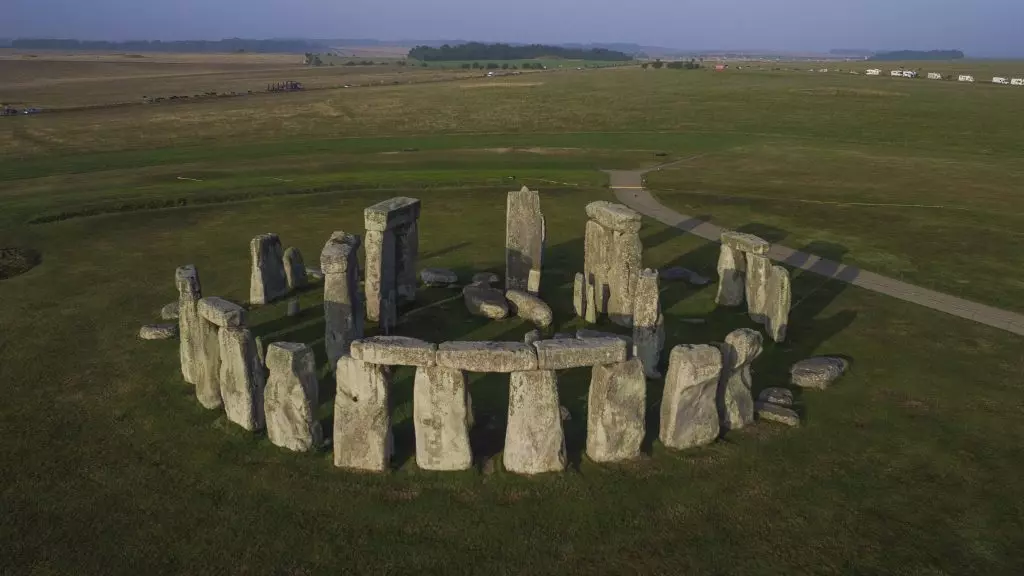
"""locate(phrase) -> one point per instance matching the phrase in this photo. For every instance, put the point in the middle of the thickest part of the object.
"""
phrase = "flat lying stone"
(315, 273)
(395, 351)
(585, 333)
(221, 312)
(486, 278)
(684, 274)
(503, 357)
(566, 354)
(391, 213)
(818, 372)
(438, 276)
(746, 242)
(614, 216)
(779, 396)
(776, 413)
(158, 331)
(530, 308)
(170, 311)
(485, 301)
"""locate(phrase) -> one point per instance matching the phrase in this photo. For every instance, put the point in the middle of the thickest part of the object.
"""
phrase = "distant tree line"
(691, 64)
(226, 45)
(918, 55)
(480, 51)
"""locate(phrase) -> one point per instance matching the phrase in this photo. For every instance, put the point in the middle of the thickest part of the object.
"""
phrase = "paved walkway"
(629, 189)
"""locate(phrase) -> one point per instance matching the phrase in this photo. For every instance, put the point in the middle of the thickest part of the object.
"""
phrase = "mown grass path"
(629, 189)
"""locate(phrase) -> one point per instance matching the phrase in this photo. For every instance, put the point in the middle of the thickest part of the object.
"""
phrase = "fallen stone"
(395, 351)
(735, 400)
(780, 298)
(442, 414)
(579, 295)
(292, 397)
(530, 308)
(776, 413)
(689, 416)
(158, 331)
(747, 243)
(693, 320)
(780, 396)
(623, 274)
(585, 333)
(294, 269)
(648, 323)
(362, 422)
(566, 354)
(438, 276)
(294, 308)
(315, 273)
(343, 304)
(756, 279)
(524, 241)
(486, 278)
(268, 280)
(684, 274)
(391, 214)
(242, 380)
(615, 217)
(170, 311)
(531, 337)
(615, 411)
(485, 301)
(186, 280)
(502, 357)
(732, 265)
(818, 372)
(534, 440)
(221, 312)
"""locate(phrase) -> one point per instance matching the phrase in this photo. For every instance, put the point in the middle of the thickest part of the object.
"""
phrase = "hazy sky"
(979, 27)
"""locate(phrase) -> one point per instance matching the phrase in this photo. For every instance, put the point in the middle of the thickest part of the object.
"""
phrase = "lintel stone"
(221, 312)
(395, 351)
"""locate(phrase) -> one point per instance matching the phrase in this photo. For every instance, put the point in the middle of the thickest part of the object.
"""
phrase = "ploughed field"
(908, 463)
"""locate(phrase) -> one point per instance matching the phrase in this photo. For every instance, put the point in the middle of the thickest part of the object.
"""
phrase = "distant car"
(32, 111)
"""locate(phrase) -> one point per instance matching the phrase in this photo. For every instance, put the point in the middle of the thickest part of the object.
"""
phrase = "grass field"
(908, 465)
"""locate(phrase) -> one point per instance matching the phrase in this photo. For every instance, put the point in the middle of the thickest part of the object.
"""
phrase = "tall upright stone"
(735, 400)
(780, 298)
(648, 323)
(362, 423)
(732, 266)
(597, 249)
(443, 414)
(534, 440)
(186, 280)
(758, 268)
(215, 314)
(392, 247)
(689, 416)
(623, 273)
(612, 259)
(292, 397)
(242, 378)
(615, 411)
(579, 295)
(294, 269)
(524, 241)
(343, 305)
(268, 281)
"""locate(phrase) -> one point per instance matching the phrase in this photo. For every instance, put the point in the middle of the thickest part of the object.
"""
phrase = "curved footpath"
(629, 189)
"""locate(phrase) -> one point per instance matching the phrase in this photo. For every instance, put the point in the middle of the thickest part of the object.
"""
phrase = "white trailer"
(1000, 80)
(1017, 81)
(874, 72)
(965, 78)
(934, 76)
(896, 73)
(909, 74)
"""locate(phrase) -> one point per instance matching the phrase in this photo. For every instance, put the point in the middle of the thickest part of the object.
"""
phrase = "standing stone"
(524, 240)
(380, 273)
(343, 306)
(442, 414)
(534, 440)
(617, 217)
(590, 316)
(295, 269)
(407, 250)
(362, 423)
(758, 269)
(735, 401)
(186, 279)
(648, 323)
(292, 397)
(732, 265)
(294, 308)
(689, 416)
(392, 247)
(780, 298)
(268, 280)
(623, 273)
(597, 249)
(207, 365)
(242, 380)
(615, 411)
(579, 295)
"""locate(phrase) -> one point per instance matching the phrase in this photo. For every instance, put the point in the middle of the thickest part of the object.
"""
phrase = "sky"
(979, 27)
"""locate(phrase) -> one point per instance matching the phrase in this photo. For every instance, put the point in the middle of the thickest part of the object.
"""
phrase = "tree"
(465, 66)
(504, 66)
(645, 65)
(658, 64)
(476, 66)
(492, 66)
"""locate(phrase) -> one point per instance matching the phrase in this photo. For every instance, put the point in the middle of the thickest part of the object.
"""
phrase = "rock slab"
(158, 331)
(395, 351)
(817, 373)
(732, 265)
(648, 323)
(292, 397)
(362, 423)
(735, 400)
(534, 440)
(616, 406)
(242, 378)
(501, 357)
(438, 277)
(485, 301)
(579, 353)
(746, 243)
(294, 269)
(186, 280)
(268, 281)
(780, 299)
(530, 308)
(442, 413)
(221, 312)
(776, 413)
(343, 304)
(524, 241)
(689, 415)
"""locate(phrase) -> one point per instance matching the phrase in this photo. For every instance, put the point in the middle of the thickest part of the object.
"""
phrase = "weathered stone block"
(623, 274)
(292, 397)
(391, 213)
(524, 239)
(616, 406)
(747, 243)
(294, 269)
(501, 357)
(362, 423)
(756, 279)
(438, 276)
(158, 331)
(579, 295)
(242, 380)
(780, 396)
(531, 337)
(268, 281)
(584, 334)
(170, 311)
(593, 301)
(343, 305)
(407, 250)
(186, 280)
(206, 366)
(615, 217)
(597, 256)
(566, 354)
(530, 308)
(735, 401)
(482, 300)
(380, 275)
(689, 416)
(818, 372)
(395, 351)
(442, 414)
(486, 278)
(648, 323)
(534, 440)
(294, 308)
(221, 312)
(776, 413)
(780, 298)
(732, 265)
